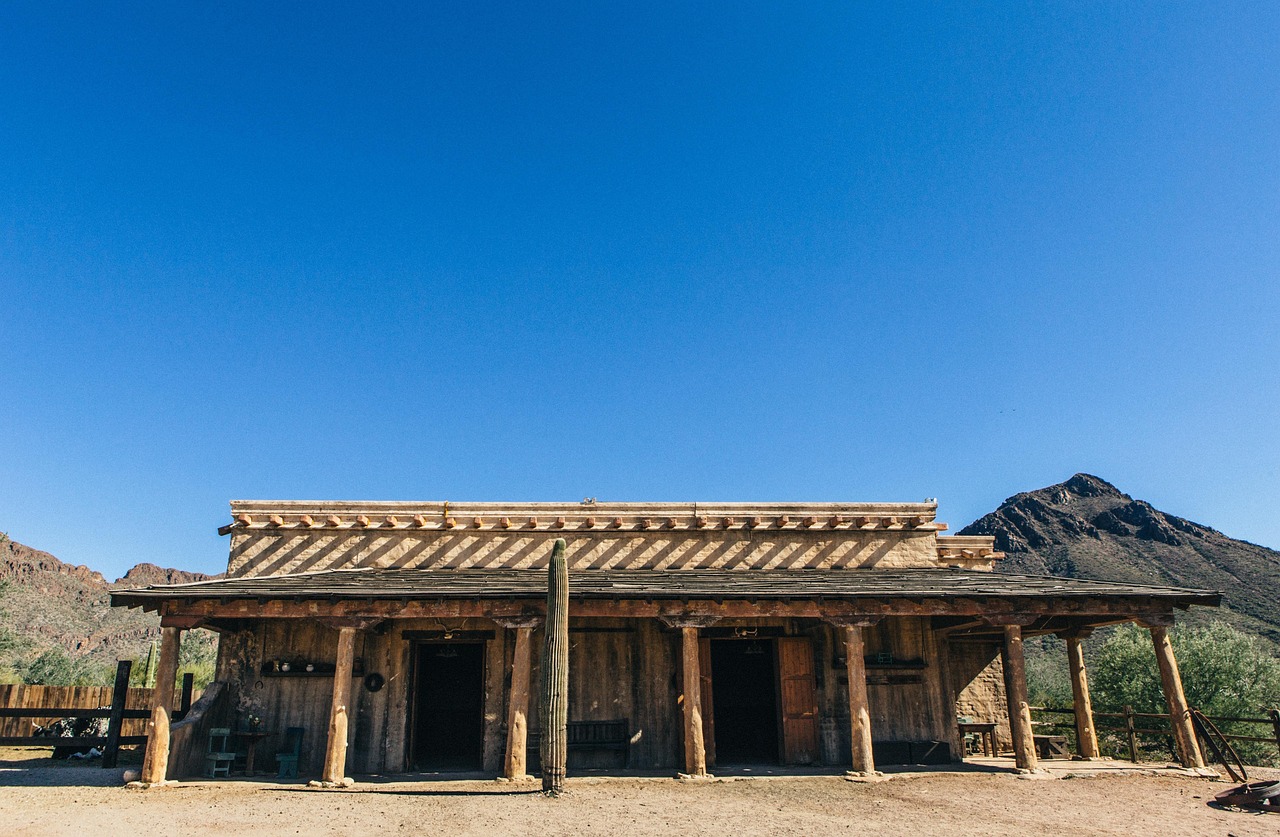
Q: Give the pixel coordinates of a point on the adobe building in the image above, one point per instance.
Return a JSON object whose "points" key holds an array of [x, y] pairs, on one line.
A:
{"points": [[405, 637]]}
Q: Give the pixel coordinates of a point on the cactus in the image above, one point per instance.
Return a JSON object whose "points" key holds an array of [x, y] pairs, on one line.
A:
{"points": [[149, 672], [554, 705]]}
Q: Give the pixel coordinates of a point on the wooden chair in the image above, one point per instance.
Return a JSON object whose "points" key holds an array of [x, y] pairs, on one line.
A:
{"points": [[219, 757], [288, 757]]}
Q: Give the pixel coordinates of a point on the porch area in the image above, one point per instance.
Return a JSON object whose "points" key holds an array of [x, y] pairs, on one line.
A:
{"points": [[684, 671]]}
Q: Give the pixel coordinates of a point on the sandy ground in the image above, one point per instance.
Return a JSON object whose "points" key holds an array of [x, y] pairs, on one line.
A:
{"points": [[36, 799]]}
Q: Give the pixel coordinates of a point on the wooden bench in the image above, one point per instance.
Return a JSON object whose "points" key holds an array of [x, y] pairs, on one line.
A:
{"points": [[1051, 746], [591, 735]]}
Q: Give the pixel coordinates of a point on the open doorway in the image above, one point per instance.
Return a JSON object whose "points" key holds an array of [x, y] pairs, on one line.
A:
{"points": [[745, 701], [447, 727]]}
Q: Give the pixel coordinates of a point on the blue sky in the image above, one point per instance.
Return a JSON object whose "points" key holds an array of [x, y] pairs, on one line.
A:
{"points": [[707, 251]]}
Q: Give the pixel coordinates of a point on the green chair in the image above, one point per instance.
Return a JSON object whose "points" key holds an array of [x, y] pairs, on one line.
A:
{"points": [[219, 757], [288, 757]]}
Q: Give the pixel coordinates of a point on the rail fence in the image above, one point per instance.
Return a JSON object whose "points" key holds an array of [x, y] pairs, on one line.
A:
{"points": [[1130, 725], [126, 711]]}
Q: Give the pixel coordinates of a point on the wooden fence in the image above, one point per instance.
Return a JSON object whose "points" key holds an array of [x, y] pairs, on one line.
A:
{"points": [[61, 698], [126, 711], [1129, 725]]}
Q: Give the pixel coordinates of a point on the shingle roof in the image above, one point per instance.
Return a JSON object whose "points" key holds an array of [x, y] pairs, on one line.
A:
{"points": [[635, 584]]}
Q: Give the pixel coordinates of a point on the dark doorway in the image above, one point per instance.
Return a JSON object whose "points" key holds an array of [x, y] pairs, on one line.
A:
{"points": [[448, 706], [744, 701]]}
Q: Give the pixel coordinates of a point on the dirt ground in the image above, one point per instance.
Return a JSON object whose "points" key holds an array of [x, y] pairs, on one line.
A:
{"points": [[36, 799]]}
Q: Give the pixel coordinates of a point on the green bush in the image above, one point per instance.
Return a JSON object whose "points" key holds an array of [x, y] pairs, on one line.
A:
{"points": [[1225, 673], [56, 667]]}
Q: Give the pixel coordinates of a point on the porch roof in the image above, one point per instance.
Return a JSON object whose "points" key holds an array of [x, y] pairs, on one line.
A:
{"points": [[650, 585]]}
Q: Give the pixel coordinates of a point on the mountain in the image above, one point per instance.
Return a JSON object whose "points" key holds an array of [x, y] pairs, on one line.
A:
{"points": [[47, 604], [1087, 528]]}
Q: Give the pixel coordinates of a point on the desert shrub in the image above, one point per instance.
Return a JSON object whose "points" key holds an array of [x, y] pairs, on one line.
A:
{"points": [[1225, 672], [56, 667]]}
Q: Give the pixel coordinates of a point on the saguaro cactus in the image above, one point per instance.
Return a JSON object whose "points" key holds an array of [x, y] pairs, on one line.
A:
{"points": [[554, 704]]}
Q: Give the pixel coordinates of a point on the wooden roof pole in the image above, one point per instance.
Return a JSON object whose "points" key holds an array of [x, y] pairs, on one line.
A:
{"points": [[335, 754], [695, 751], [1086, 734], [1184, 734], [1015, 684], [155, 762], [516, 760], [864, 763]]}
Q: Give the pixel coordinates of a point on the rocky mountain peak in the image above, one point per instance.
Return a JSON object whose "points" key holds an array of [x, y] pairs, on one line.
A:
{"points": [[1087, 485], [1085, 527], [144, 575]]}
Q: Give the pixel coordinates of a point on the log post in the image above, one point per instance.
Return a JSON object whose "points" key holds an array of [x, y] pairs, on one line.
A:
{"points": [[335, 754], [1184, 735], [188, 687], [1081, 703], [155, 763], [119, 697], [515, 762], [859, 714], [1015, 684], [695, 745], [695, 750], [864, 762]]}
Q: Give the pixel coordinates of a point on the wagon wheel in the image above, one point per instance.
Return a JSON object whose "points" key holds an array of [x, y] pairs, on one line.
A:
{"points": [[1259, 796], [1220, 745]]}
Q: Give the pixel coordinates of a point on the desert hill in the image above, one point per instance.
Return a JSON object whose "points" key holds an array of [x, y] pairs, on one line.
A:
{"points": [[1087, 528], [47, 603]]}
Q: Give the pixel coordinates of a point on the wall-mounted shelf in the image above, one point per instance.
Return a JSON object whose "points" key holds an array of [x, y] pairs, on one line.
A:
{"points": [[298, 668], [870, 663]]}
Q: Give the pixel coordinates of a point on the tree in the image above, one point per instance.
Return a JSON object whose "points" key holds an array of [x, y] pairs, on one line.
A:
{"points": [[1224, 673]]}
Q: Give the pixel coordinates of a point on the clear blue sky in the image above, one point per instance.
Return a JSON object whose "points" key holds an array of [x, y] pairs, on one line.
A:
{"points": [[700, 252]]}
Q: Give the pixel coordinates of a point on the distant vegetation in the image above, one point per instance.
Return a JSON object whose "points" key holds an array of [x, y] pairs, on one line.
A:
{"points": [[1225, 673]]}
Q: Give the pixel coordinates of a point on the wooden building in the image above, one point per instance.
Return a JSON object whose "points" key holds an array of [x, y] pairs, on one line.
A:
{"points": [[405, 636]]}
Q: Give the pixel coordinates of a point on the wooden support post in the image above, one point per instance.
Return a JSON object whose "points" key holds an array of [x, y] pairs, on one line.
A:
{"points": [[1015, 684], [155, 764], [1184, 735], [1131, 734], [515, 765], [119, 695], [1086, 735], [1274, 715], [695, 753], [335, 754], [859, 714], [184, 702]]}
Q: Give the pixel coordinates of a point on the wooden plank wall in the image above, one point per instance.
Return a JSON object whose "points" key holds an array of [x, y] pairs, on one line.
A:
{"points": [[22, 696], [902, 711], [622, 668], [619, 668]]}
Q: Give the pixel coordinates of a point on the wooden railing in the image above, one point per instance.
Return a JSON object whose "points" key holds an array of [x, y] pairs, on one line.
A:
{"points": [[116, 714], [1130, 729]]}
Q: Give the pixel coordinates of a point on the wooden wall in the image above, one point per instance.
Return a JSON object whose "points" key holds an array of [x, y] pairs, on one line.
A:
{"points": [[618, 669]]}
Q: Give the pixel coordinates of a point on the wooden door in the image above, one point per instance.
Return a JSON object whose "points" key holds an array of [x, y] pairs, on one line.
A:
{"points": [[708, 714], [798, 699]]}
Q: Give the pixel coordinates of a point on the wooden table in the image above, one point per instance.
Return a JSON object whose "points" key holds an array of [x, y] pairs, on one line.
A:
{"points": [[986, 734], [250, 739]]}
